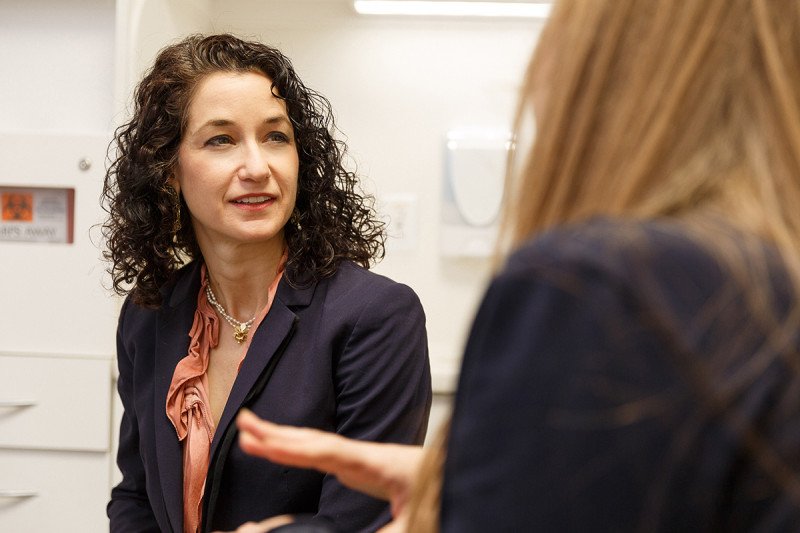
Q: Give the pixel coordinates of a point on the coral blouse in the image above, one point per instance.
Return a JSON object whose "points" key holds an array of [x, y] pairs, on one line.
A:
{"points": [[188, 406]]}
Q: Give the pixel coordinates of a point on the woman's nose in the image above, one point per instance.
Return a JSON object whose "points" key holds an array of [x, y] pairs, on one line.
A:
{"points": [[255, 162]]}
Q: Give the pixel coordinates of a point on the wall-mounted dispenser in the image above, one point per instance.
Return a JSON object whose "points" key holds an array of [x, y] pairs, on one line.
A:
{"points": [[475, 162]]}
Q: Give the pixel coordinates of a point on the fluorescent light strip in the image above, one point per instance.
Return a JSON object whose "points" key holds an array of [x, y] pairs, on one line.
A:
{"points": [[452, 9]]}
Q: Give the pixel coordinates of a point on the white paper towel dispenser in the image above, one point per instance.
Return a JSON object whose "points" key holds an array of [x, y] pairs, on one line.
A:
{"points": [[474, 176]]}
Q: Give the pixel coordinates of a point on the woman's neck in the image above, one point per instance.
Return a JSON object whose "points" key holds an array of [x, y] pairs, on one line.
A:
{"points": [[241, 275]]}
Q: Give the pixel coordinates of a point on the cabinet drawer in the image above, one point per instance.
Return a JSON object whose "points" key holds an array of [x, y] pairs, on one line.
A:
{"points": [[55, 403], [53, 491]]}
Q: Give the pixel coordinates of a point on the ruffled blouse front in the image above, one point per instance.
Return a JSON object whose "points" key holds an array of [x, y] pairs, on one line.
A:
{"points": [[188, 406]]}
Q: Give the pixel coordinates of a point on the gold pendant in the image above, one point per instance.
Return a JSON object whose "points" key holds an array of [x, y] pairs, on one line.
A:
{"points": [[240, 333]]}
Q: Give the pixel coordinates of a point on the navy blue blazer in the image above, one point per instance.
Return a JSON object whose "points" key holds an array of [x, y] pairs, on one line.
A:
{"points": [[347, 354], [615, 380]]}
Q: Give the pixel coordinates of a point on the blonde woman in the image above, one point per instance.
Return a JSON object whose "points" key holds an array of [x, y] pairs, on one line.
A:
{"points": [[635, 366]]}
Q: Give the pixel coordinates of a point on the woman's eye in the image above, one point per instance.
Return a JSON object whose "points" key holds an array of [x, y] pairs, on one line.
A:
{"points": [[218, 140], [277, 137]]}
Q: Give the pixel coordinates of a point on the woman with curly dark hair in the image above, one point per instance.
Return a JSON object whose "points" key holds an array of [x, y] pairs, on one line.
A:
{"points": [[243, 245]]}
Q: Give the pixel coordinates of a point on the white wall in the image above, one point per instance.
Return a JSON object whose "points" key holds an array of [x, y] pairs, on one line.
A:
{"points": [[143, 27], [56, 65]]}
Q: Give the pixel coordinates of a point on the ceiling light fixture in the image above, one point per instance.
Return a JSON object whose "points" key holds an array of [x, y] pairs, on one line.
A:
{"points": [[453, 8]]}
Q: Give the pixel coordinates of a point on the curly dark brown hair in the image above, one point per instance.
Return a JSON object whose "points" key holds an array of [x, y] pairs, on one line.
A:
{"points": [[333, 219]]}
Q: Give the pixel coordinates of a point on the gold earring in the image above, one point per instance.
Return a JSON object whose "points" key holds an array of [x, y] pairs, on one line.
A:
{"points": [[294, 220], [176, 202]]}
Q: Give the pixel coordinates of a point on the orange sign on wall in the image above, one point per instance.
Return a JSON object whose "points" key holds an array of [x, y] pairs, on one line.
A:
{"points": [[17, 206], [36, 214]]}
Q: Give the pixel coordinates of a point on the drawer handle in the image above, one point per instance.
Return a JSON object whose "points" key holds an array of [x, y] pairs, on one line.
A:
{"points": [[18, 494], [16, 404]]}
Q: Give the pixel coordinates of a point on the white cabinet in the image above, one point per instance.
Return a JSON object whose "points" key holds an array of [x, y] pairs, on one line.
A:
{"points": [[53, 491], [55, 403], [54, 442]]}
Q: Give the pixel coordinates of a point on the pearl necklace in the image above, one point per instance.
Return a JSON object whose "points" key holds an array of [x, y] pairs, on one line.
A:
{"points": [[240, 329]]}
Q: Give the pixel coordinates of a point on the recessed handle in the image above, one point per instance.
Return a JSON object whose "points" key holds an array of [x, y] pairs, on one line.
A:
{"points": [[18, 494], [16, 404]]}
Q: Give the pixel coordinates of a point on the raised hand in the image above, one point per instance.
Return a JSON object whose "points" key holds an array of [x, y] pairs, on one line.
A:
{"points": [[385, 471]]}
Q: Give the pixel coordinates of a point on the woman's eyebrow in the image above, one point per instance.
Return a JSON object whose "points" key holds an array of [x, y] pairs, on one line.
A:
{"points": [[221, 122], [277, 119], [214, 122]]}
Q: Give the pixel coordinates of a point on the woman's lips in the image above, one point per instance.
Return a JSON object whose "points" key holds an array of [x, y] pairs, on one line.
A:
{"points": [[253, 202]]}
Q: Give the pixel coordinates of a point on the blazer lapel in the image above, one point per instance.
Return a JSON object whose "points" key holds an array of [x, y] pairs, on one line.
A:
{"points": [[269, 337], [269, 342], [172, 344]]}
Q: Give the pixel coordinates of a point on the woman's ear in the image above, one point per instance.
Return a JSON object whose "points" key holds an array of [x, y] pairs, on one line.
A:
{"points": [[173, 182]]}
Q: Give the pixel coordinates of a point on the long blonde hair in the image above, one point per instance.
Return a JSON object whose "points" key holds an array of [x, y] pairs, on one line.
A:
{"points": [[662, 108]]}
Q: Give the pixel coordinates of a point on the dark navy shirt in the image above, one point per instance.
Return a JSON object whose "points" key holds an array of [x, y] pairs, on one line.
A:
{"points": [[618, 377]]}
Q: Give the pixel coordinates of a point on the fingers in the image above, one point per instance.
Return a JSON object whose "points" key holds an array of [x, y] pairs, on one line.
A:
{"points": [[252, 444], [381, 470], [293, 446], [247, 421], [265, 525], [271, 523], [398, 525], [306, 448]]}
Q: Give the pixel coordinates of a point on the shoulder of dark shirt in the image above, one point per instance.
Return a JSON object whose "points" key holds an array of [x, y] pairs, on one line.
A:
{"points": [[629, 252], [351, 278], [657, 262], [616, 246]]}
